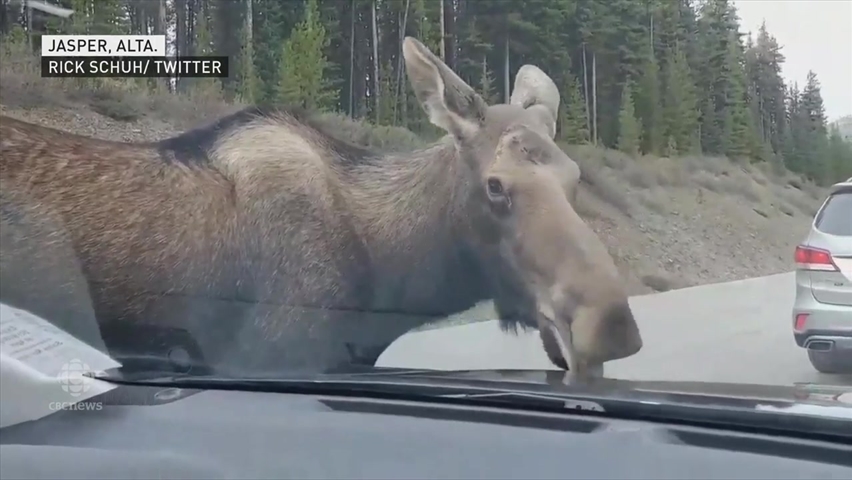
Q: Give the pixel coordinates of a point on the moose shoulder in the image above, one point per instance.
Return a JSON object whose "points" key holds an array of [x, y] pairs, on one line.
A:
{"points": [[264, 229]]}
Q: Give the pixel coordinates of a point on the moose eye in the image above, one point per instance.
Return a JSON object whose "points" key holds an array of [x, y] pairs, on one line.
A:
{"points": [[495, 187]]}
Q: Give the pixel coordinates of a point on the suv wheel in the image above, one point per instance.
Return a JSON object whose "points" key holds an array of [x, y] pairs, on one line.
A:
{"points": [[833, 361]]}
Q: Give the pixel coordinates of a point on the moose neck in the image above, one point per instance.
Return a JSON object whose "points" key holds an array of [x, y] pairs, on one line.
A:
{"points": [[413, 216]]}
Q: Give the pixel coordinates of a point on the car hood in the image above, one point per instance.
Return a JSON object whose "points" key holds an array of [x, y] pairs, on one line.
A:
{"points": [[833, 401]]}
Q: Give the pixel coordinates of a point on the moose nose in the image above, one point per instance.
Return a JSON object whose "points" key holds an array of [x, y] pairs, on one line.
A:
{"points": [[604, 333], [619, 324]]}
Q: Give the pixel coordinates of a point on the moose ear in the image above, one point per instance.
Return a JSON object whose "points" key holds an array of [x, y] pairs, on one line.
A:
{"points": [[450, 103], [535, 91]]}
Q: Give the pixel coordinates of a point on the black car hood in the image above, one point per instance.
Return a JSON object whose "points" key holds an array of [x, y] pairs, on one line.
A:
{"points": [[834, 401]]}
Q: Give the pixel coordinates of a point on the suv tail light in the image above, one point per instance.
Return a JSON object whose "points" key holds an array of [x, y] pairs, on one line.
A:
{"points": [[809, 258]]}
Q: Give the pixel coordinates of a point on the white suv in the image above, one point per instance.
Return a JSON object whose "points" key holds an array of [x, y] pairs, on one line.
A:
{"points": [[822, 312]]}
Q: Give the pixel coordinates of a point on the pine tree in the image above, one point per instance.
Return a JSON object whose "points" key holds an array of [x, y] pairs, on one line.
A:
{"points": [[204, 87], [246, 78], [486, 83], [629, 131], [303, 65], [648, 105], [739, 139], [814, 134], [680, 115], [574, 126], [839, 156], [386, 107], [698, 87]]}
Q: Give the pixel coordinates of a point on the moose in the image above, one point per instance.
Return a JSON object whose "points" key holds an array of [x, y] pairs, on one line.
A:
{"points": [[265, 234]]}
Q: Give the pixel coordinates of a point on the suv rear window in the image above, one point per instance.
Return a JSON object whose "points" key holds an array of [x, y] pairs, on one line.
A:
{"points": [[836, 216]]}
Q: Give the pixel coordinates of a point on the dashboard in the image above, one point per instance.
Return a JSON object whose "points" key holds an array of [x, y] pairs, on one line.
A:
{"points": [[140, 432]]}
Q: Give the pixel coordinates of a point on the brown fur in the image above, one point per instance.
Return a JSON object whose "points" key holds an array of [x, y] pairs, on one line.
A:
{"points": [[39, 270], [279, 246]]}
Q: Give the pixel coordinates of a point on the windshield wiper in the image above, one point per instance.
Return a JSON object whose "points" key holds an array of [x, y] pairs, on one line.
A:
{"points": [[585, 402], [562, 401], [378, 385]]}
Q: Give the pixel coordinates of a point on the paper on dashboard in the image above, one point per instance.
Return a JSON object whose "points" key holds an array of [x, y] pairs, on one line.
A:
{"points": [[42, 368]]}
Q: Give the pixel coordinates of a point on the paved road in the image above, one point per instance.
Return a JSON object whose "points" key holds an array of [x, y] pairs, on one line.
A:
{"points": [[728, 332]]}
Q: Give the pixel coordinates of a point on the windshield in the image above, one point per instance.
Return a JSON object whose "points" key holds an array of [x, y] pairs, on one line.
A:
{"points": [[277, 189]]}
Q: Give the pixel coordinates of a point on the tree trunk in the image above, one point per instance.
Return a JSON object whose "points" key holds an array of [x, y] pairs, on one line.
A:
{"points": [[400, 64], [180, 34], [249, 22], [506, 91], [652, 36], [595, 97], [450, 33], [29, 13], [352, 60], [443, 33], [375, 92], [586, 97], [160, 29]]}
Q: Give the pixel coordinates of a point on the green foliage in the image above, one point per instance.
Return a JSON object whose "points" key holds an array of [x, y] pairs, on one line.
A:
{"points": [[15, 42], [301, 79], [247, 81], [838, 156], [486, 84], [649, 105], [700, 86], [574, 126], [680, 113], [629, 129], [386, 109]]}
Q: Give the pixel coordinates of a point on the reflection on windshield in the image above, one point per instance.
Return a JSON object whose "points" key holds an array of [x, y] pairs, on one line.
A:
{"points": [[500, 189], [820, 411]]}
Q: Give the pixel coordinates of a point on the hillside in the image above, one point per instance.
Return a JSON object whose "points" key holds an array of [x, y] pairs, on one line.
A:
{"points": [[669, 222]]}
